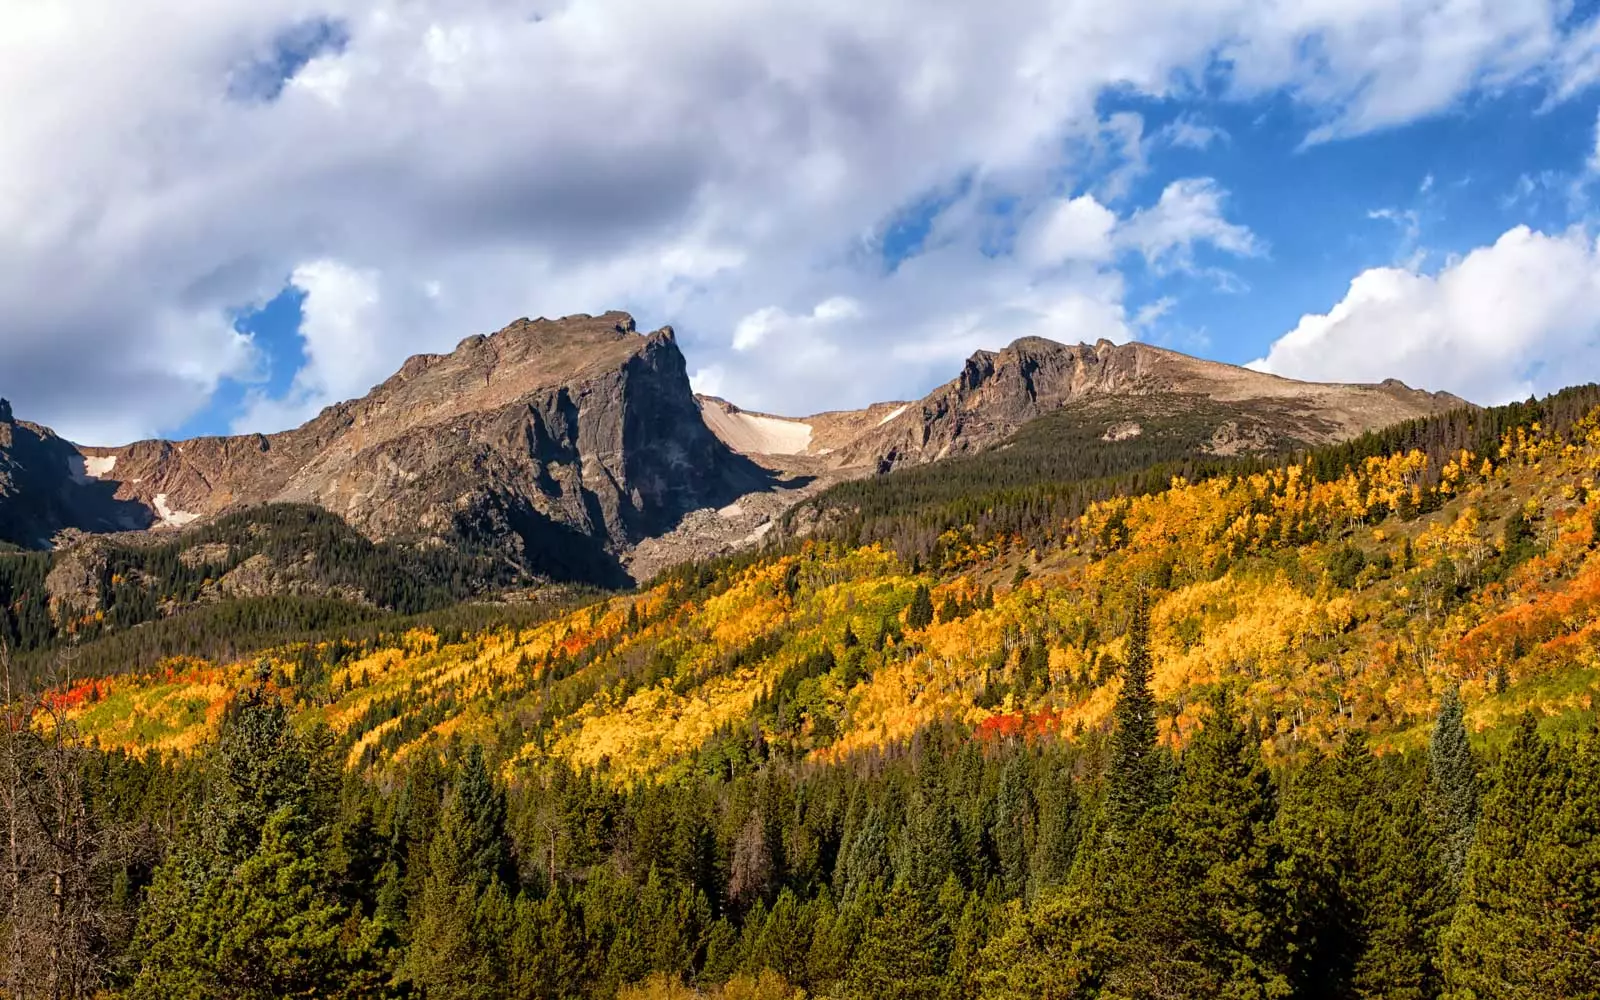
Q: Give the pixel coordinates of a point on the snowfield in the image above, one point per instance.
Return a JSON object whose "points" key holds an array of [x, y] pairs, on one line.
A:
{"points": [[758, 435]]}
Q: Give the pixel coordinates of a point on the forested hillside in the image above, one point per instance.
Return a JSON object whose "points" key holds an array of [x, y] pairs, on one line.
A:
{"points": [[1320, 728], [237, 584]]}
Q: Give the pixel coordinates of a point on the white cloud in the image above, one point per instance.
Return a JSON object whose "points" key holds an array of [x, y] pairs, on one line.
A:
{"points": [[1576, 66], [695, 162], [1189, 133], [1068, 229], [1188, 213], [342, 342], [1521, 316]]}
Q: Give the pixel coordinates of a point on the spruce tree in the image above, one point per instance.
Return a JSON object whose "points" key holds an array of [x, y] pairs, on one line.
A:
{"points": [[904, 951], [1455, 779], [483, 812], [920, 613], [1226, 858], [1500, 942], [1012, 820], [1134, 779]]}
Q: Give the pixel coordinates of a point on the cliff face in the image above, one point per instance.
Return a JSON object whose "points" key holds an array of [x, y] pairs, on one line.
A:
{"points": [[999, 391], [576, 449], [45, 486], [561, 443]]}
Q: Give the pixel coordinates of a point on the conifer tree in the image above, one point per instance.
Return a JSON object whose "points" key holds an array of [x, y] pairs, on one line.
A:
{"points": [[920, 613], [1013, 816], [1455, 779], [482, 805], [904, 951], [1226, 858], [1497, 944], [1134, 776]]}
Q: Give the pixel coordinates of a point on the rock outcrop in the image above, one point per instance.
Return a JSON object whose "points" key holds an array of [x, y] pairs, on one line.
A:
{"points": [[576, 450], [561, 443], [999, 391]]}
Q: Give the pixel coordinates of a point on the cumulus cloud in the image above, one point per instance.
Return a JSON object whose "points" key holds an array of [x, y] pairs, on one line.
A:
{"points": [[342, 332], [1188, 214], [167, 163], [1520, 316], [1069, 229]]}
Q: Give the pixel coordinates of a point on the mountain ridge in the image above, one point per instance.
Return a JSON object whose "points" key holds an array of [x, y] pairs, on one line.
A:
{"points": [[577, 447]]}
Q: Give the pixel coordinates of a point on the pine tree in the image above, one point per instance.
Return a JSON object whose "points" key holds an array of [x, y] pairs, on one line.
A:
{"points": [[269, 928], [1403, 891], [920, 614], [482, 806], [1013, 816], [1510, 937], [1455, 779], [448, 960], [1226, 859], [1134, 782], [1055, 844], [904, 950]]}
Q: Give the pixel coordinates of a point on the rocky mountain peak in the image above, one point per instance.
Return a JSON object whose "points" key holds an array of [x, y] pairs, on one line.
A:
{"points": [[561, 442], [5, 411]]}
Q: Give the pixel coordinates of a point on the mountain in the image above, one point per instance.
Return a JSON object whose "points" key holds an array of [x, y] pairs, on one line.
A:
{"points": [[1345, 695], [559, 442], [998, 392], [576, 449]]}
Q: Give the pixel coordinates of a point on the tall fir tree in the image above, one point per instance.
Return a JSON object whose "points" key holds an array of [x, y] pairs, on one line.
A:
{"points": [[1455, 779], [1134, 776], [1226, 859], [1523, 927]]}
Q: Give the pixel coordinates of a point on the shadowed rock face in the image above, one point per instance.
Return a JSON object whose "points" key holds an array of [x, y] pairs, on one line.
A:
{"points": [[560, 442], [44, 487]]}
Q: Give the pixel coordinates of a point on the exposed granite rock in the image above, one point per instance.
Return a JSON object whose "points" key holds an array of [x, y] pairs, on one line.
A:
{"points": [[562, 443], [576, 448], [999, 391]]}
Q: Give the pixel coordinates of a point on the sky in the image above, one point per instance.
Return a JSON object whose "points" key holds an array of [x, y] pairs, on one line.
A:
{"points": [[219, 218]]}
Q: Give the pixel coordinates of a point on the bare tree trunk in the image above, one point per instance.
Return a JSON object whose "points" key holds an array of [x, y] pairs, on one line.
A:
{"points": [[52, 852], [11, 790]]}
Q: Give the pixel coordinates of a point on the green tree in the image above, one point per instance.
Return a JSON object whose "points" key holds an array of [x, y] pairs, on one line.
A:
{"points": [[1455, 779], [1012, 822], [904, 951], [1226, 858], [268, 928], [1134, 778], [1525, 925], [920, 613]]}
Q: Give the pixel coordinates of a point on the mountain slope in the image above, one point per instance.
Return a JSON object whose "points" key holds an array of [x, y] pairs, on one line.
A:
{"points": [[1345, 590], [999, 392], [559, 442], [576, 449]]}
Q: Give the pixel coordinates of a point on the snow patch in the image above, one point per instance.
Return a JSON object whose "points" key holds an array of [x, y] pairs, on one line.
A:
{"points": [[894, 413], [86, 468], [169, 517], [748, 432]]}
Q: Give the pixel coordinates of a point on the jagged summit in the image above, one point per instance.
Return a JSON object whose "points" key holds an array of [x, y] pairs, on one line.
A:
{"points": [[562, 442], [575, 444], [996, 392]]}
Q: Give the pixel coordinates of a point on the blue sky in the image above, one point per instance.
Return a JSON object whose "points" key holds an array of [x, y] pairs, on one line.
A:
{"points": [[221, 221]]}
